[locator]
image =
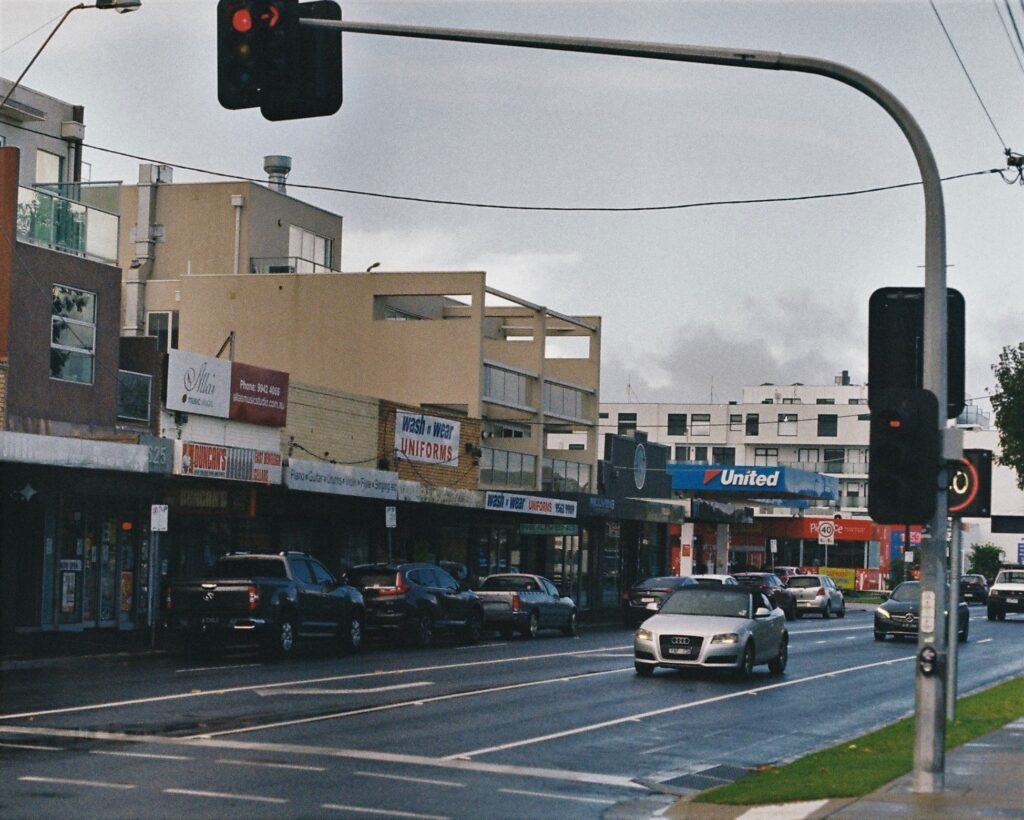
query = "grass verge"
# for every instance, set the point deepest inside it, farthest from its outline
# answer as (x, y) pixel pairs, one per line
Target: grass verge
(860, 766)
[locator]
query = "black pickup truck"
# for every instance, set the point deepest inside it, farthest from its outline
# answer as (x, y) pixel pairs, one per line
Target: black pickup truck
(270, 599)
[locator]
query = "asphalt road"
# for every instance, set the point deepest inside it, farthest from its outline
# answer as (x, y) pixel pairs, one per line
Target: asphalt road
(556, 727)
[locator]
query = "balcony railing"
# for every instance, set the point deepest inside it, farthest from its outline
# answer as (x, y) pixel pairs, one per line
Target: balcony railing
(285, 264)
(830, 467)
(66, 225)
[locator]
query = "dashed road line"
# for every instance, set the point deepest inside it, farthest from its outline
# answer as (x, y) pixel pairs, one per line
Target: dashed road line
(267, 764)
(382, 812)
(252, 798)
(147, 755)
(67, 781)
(551, 796)
(426, 781)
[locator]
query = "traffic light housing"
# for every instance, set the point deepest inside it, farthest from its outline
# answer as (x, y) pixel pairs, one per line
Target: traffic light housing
(896, 342)
(266, 58)
(905, 455)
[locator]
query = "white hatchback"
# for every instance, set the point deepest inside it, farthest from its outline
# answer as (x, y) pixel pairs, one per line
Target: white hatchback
(713, 628)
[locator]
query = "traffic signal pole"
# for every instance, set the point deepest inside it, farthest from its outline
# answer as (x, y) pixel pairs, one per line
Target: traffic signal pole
(930, 690)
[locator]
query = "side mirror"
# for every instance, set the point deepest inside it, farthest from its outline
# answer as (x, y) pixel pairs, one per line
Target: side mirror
(762, 612)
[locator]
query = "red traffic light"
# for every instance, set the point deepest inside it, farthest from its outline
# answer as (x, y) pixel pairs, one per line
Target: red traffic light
(895, 424)
(241, 21)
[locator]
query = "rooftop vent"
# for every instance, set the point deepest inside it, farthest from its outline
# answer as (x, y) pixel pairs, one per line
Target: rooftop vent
(277, 168)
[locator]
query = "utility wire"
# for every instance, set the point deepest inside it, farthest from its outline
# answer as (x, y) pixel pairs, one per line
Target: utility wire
(1013, 22)
(1002, 22)
(968, 75)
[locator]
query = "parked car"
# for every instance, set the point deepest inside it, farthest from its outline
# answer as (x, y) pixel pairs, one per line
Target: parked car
(726, 627)
(1007, 592)
(770, 585)
(818, 594)
(900, 614)
(974, 588)
(515, 602)
(644, 599)
(785, 573)
(415, 601)
(713, 580)
(272, 599)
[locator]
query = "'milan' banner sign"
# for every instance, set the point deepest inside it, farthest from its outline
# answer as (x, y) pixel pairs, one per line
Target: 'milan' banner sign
(208, 386)
(427, 439)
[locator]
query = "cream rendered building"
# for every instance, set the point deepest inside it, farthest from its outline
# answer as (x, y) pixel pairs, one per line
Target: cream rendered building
(241, 269)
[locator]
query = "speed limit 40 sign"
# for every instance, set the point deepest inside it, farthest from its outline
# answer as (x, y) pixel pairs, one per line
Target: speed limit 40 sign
(826, 532)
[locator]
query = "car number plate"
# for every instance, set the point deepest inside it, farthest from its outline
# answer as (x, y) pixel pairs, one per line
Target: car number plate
(209, 619)
(681, 651)
(1012, 601)
(647, 600)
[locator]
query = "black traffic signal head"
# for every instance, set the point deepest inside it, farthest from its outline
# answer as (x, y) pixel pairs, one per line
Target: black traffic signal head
(266, 58)
(904, 466)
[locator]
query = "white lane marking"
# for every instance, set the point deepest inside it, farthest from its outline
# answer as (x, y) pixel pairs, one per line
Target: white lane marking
(34, 748)
(551, 796)
(66, 781)
(268, 765)
(786, 811)
(252, 798)
(418, 670)
(668, 709)
(450, 783)
(985, 640)
(373, 690)
(140, 754)
(383, 812)
(362, 755)
(508, 687)
(481, 645)
(212, 668)
(851, 637)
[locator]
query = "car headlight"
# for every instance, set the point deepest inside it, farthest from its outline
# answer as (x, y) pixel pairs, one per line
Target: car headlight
(728, 637)
(644, 634)
(883, 614)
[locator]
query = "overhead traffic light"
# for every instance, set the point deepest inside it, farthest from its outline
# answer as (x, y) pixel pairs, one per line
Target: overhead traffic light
(266, 58)
(904, 466)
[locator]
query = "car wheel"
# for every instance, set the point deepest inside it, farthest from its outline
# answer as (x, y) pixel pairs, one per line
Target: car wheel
(778, 665)
(281, 643)
(474, 627)
(532, 626)
(351, 635)
(572, 627)
(644, 670)
(879, 636)
(842, 612)
(791, 613)
(1001, 615)
(826, 613)
(422, 630)
(746, 667)
(962, 636)
(991, 614)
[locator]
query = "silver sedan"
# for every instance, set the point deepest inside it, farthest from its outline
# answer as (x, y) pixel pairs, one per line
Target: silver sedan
(713, 628)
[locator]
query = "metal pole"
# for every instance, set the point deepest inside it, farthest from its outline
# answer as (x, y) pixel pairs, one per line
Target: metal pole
(929, 738)
(953, 631)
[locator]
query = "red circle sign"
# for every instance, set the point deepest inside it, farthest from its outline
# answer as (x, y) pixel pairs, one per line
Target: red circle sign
(963, 485)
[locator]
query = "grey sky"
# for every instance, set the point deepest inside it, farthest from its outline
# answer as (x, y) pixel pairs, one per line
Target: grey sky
(723, 295)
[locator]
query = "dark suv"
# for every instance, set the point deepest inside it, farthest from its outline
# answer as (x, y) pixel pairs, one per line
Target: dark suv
(415, 601)
(769, 583)
(974, 588)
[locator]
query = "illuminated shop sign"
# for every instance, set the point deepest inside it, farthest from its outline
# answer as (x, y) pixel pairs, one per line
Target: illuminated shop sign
(530, 504)
(193, 458)
(427, 439)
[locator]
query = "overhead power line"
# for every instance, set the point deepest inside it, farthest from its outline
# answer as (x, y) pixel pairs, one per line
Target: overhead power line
(1009, 37)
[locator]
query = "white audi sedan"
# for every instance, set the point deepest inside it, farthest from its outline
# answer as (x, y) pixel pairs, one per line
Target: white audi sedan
(713, 628)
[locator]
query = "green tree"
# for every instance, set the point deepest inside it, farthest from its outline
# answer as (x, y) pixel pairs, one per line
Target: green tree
(1008, 404)
(985, 559)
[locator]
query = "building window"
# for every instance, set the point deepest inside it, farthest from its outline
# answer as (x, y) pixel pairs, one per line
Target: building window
(791, 401)
(833, 457)
(506, 387)
(766, 456)
(700, 455)
(602, 415)
(725, 456)
(807, 455)
(577, 446)
(787, 424)
(502, 468)
(505, 429)
(856, 401)
(163, 325)
(565, 476)
(312, 253)
(753, 424)
(682, 452)
(736, 422)
(627, 424)
(677, 424)
(828, 425)
(133, 395)
(825, 401)
(700, 424)
(73, 335)
(567, 402)
(49, 168)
